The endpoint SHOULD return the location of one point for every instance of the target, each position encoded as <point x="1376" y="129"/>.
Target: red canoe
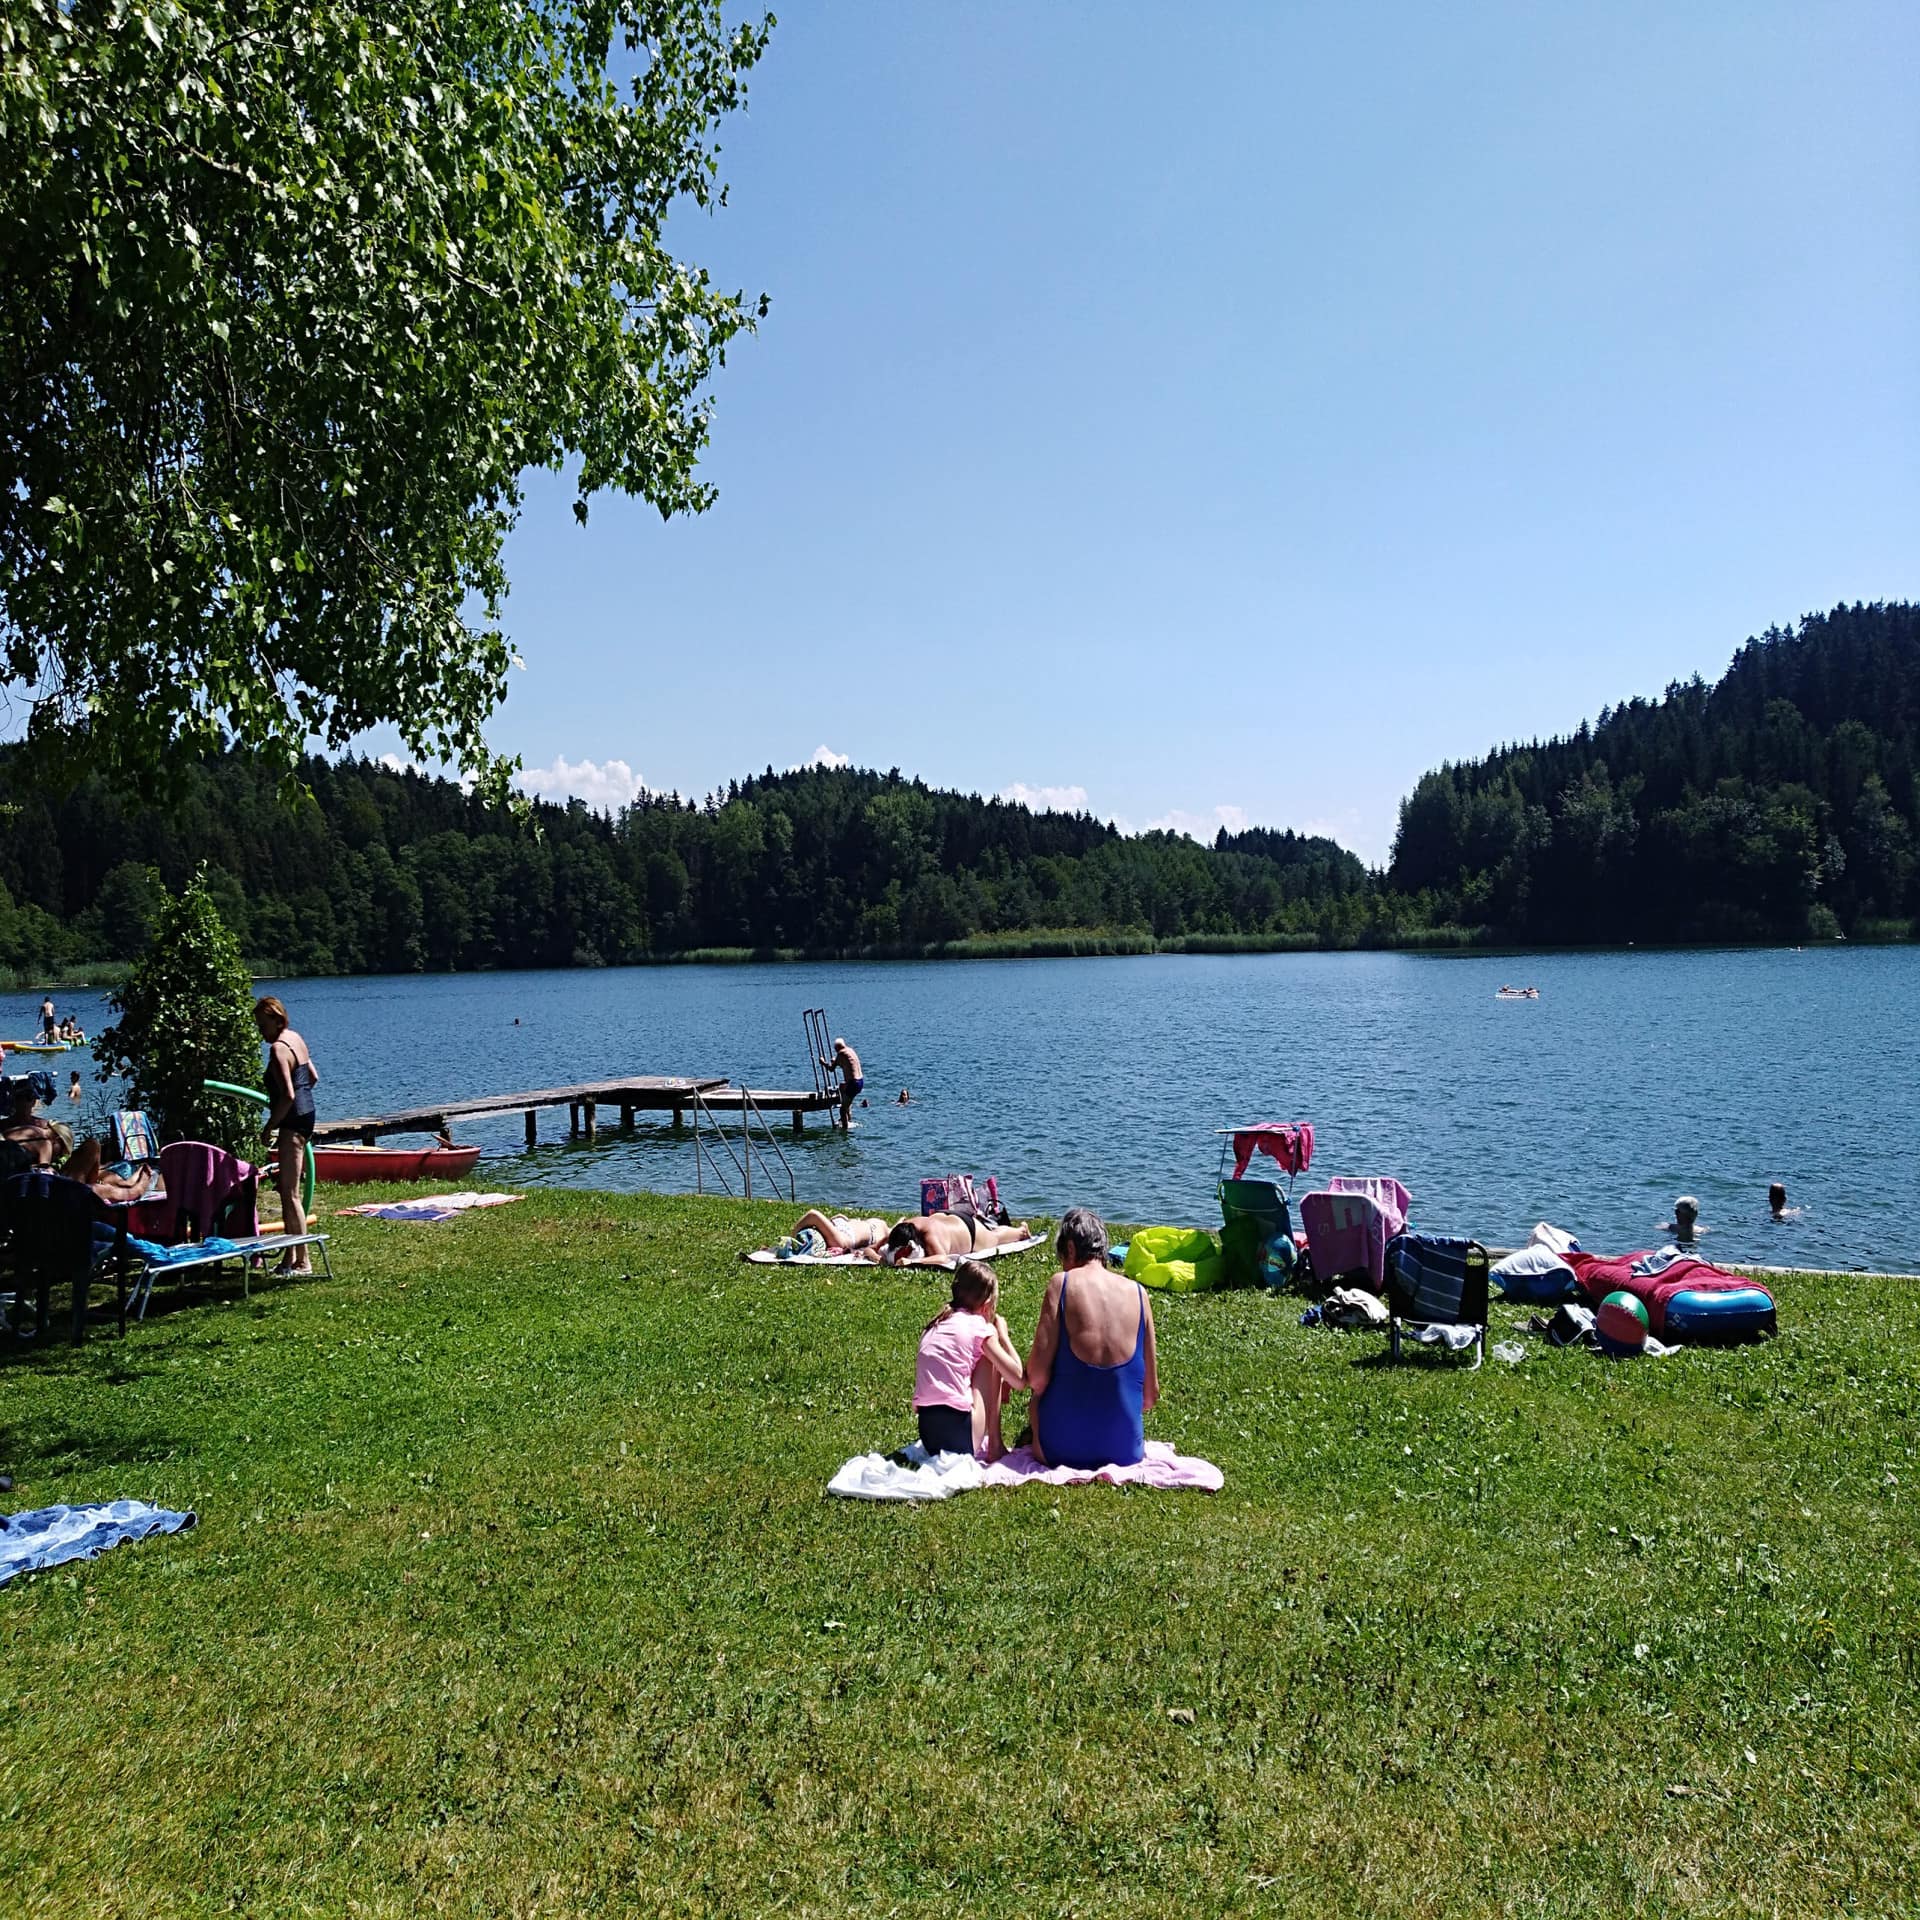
<point x="349" y="1164"/>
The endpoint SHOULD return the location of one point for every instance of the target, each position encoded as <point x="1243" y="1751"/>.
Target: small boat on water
<point x="1517" y="993"/>
<point x="346" y="1164"/>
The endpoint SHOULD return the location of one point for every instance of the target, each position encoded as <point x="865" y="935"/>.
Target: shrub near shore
<point x="515" y="1590"/>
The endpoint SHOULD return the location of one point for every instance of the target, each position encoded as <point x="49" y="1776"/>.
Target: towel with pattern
<point x="50" y="1536"/>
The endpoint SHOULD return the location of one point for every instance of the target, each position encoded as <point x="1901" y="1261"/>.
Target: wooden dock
<point x="673" y="1094"/>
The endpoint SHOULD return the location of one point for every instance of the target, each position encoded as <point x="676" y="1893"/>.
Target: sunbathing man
<point x="841" y="1233"/>
<point x="924" y="1239"/>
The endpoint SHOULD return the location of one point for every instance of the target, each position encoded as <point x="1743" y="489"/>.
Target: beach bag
<point x="962" y="1193"/>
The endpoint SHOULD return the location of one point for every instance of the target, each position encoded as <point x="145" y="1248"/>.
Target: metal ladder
<point x="704" y="1154"/>
<point x="819" y="1048"/>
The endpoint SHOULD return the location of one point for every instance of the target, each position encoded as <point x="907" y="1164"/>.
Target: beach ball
<point x="1277" y="1260"/>
<point x="1621" y="1325"/>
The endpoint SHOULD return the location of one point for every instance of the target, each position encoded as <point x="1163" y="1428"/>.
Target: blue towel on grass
<point x="47" y="1536"/>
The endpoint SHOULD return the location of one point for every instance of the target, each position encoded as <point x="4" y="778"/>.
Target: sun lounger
<point x="217" y="1252"/>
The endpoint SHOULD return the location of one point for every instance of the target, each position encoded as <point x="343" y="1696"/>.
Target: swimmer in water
<point x="906" y="1099"/>
<point x="1685" y="1224"/>
<point x="1777" y="1203"/>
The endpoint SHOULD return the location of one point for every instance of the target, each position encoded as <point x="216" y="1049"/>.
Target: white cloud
<point x="605" y="785"/>
<point x="394" y="764"/>
<point x="1352" y="832"/>
<point x="823" y="756"/>
<point x="1047" y="799"/>
<point x="1201" y="826"/>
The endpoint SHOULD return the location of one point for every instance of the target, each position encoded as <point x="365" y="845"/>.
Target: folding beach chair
<point x="1256" y="1218"/>
<point x="1347" y="1239"/>
<point x="135" y="1144"/>
<point x="1256" y="1234"/>
<point x="1436" y="1281"/>
<point x="54" y="1232"/>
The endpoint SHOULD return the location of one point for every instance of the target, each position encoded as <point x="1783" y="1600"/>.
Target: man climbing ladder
<point x="846" y="1063"/>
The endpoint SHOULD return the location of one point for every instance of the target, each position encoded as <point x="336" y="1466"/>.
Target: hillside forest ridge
<point x="1779" y="804"/>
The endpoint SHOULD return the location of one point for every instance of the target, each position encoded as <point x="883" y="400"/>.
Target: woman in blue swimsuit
<point x="1092" y="1368"/>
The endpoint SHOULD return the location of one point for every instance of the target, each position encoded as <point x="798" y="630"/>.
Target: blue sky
<point x="1227" y="412"/>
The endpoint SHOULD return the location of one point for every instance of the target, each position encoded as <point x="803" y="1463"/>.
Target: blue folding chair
<point x="1436" y="1281"/>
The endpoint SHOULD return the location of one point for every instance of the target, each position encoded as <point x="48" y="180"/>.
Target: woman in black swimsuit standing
<point x="291" y="1079"/>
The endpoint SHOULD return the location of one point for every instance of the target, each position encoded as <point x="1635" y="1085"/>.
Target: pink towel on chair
<point x="1393" y="1200"/>
<point x="200" y="1180"/>
<point x="1346" y="1234"/>
<point x="1291" y="1144"/>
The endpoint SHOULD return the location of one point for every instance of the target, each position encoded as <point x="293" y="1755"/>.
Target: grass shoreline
<point x="515" y="1590"/>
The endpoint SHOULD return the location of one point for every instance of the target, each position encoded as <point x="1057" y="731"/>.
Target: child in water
<point x="966" y="1368"/>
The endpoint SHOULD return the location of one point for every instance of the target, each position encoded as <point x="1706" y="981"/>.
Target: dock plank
<point x="651" y="1093"/>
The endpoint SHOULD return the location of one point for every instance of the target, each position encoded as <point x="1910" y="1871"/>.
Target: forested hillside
<point x="1779" y="804"/>
<point x="396" y="871"/>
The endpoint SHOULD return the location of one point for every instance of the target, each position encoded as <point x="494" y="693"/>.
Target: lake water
<point x="1635" y="1077"/>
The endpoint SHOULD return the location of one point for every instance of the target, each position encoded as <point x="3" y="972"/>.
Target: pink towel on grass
<point x="1162" y="1467"/>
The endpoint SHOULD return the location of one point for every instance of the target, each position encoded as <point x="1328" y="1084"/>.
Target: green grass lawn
<point x="515" y="1591"/>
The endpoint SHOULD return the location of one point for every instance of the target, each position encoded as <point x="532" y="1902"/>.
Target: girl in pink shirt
<point x="966" y="1368"/>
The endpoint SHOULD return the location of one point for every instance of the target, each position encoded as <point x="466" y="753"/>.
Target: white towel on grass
<point x="918" y="1475"/>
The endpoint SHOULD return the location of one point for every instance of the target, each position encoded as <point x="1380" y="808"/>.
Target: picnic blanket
<point x="914" y="1474"/>
<point x="435" y="1206"/>
<point x="49" y="1536"/>
<point x="766" y="1257"/>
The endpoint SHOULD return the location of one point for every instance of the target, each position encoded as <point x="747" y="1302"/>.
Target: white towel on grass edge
<point x="939" y="1476"/>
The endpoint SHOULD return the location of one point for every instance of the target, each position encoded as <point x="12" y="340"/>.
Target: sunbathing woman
<point x="86" y="1164"/>
<point x="841" y="1232"/>
<point x="925" y="1239"/>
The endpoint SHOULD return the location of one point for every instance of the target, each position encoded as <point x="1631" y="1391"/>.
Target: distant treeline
<point x="1779" y="804"/>
<point x="391" y="871"/>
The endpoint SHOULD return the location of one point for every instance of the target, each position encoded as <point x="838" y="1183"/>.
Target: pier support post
<point x="679" y="1119"/>
<point x="799" y="1121"/>
<point x="368" y="1138"/>
<point x="586" y="1117"/>
<point x="626" y="1116"/>
<point x="533" y="1135"/>
<point x="573" y="1118"/>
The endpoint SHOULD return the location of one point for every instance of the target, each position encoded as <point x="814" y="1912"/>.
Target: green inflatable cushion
<point x="1175" y="1259"/>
